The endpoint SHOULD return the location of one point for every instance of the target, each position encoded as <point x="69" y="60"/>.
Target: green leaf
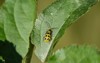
<point x="2" y="34"/>
<point x="16" y="22"/>
<point x="76" y="54"/>
<point x="57" y="17"/>
<point x="2" y="60"/>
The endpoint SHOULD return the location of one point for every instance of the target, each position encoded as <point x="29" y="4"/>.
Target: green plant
<point x="20" y="30"/>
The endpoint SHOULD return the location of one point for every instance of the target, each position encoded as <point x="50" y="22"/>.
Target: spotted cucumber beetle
<point x="48" y="34"/>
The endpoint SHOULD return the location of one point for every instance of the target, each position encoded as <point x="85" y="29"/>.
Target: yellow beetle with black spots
<point x="48" y="36"/>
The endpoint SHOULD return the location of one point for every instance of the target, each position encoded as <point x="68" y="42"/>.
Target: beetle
<point x="48" y="35"/>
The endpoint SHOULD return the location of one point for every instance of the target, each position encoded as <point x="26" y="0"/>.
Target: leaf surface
<point x="76" y="54"/>
<point x="16" y="23"/>
<point x="57" y="17"/>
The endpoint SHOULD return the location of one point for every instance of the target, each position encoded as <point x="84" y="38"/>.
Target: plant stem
<point x="28" y="57"/>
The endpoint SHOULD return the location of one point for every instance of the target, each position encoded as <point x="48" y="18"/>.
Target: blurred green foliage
<point x="76" y="54"/>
